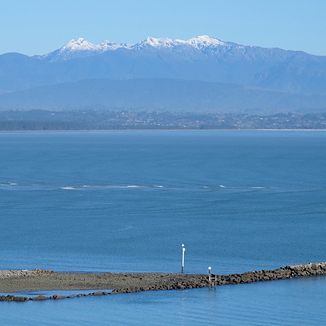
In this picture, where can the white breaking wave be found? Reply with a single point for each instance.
(99, 187)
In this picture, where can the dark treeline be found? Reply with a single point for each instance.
(120, 120)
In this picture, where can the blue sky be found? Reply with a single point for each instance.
(41, 26)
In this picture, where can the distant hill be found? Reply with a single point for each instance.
(299, 73)
(202, 73)
(160, 95)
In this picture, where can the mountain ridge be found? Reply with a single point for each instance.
(202, 59)
(81, 47)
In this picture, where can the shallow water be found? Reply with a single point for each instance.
(287, 302)
(126, 201)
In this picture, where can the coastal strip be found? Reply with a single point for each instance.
(42, 280)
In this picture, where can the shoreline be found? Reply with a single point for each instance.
(42, 280)
(147, 130)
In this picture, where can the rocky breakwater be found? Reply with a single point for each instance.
(136, 282)
(287, 272)
(14, 298)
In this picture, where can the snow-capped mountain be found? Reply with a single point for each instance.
(82, 48)
(201, 59)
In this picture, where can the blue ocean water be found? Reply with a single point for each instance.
(126, 201)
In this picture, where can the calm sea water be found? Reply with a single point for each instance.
(126, 201)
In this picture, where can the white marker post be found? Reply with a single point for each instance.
(209, 275)
(183, 249)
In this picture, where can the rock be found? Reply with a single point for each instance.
(40, 298)
(246, 277)
(57, 297)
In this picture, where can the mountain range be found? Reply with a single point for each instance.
(200, 74)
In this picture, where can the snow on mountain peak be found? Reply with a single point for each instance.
(78, 45)
(81, 45)
(159, 42)
(82, 48)
(107, 45)
(200, 42)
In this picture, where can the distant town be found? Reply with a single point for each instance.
(35, 120)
